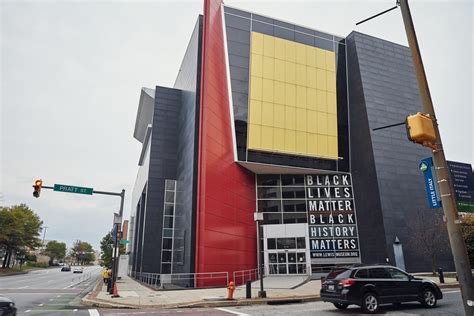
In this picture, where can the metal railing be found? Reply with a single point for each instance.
(242, 276)
(182, 280)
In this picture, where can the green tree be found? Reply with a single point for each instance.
(82, 252)
(55, 250)
(20, 228)
(467, 228)
(106, 247)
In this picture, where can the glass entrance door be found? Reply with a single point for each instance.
(287, 262)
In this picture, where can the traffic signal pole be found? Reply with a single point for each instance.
(458, 247)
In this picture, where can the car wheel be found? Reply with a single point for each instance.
(428, 298)
(370, 303)
(341, 305)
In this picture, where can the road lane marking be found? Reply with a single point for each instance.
(75, 310)
(27, 311)
(58, 296)
(51, 299)
(40, 304)
(448, 292)
(23, 287)
(232, 312)
(93, 312)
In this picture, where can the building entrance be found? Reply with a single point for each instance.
(291, 261)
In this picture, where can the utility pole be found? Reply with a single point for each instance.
(44, 235)
(458, 247)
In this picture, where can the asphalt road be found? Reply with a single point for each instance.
(50, 291)
(450, 305)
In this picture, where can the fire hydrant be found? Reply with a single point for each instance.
(230, 290)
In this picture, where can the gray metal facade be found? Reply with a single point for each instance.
(383, 90)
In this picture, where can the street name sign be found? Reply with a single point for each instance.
(434, 200)
(73, 189)
(124, 241)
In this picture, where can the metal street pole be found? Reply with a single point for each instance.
(458, 247)
(44, 235)
(116, 252)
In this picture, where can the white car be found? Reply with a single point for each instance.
(77, 270)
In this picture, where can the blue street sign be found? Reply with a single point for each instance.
(426, 166)
(114, 233)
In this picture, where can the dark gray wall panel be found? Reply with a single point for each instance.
(188, 81)
(390, 93)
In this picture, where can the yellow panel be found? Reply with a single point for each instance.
(267, 114)
(322, 123)
(300, 54)
(311, 77)
(269, 46)
(278, 139)
(331, 81)
(254, 136)
(268, 67)
(257, 65)
(267, 137)
(312, 143)
(310, 56)
(278, 92)
(290, 140)
(300, 75)
(332, 124)
(290, 72)
(330, 61)
(290, 51)
(290, 94)
(331, 103)
(332, 146)
(301, 120)
(279, 115)
(320, 58)
(280, 70)
(321, 79)
(279, 48)
(255, 112)
(267, 90)
(322, 145)
(301, 97)
(311, 121)
(321, 101)
(311, 100)
(301, 142)
(255, 88)
(257, 43)
(290, 117)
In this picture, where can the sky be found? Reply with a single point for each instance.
(71, 74)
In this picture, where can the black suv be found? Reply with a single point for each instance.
(371, 285)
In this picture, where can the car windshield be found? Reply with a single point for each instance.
(339, 273)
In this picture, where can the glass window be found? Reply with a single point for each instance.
(273, 269)
(268, 179)
(362, 274)
(269, 192)
(292, 257)
(166, 256)
(169, 185)
(379, 273)
(300, 243)
(339, 273)
(294, 206)
(293, 193)
(287, 179)
(292, 269)
(289, 218)
(272, 218)
(166, 268)
(167, 243)
(269, 206)
(167, 222)
(301, 257)
(286, 243)
(169, 209)
(169, 197)
(167, 232)
(282, 269)
(272, 257)
(397, 274)
(282, 257)
(271, 243)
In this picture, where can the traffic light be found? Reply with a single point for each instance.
(420, 130)
(37, 188)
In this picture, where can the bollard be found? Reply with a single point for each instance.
(248, 289)
(441, 275)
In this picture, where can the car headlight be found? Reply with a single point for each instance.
(11, 304)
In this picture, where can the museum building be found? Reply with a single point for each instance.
(271, 117)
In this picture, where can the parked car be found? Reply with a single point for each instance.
(369, 286)
(66, 268)
(77, 270)
(7, 307)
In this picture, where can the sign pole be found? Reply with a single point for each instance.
(458, 247)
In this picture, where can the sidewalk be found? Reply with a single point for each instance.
(135, 295)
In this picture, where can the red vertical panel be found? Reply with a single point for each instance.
(225, 232)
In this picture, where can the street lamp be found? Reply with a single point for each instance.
(258, 217)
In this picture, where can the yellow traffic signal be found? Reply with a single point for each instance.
(37, 188)
(420, 130)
